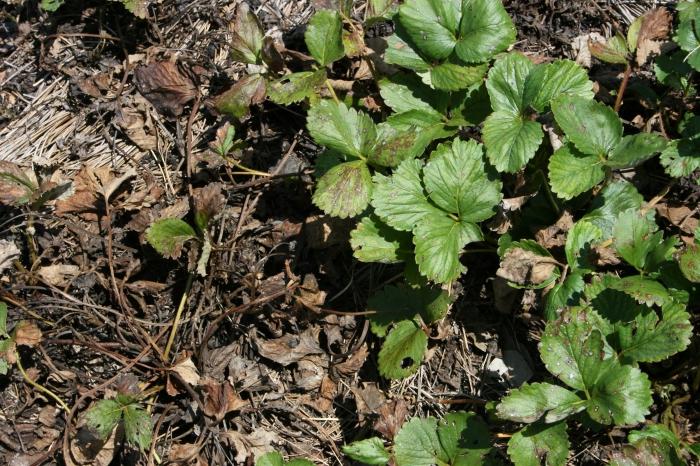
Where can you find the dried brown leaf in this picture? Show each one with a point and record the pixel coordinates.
(525, 267)
(289, 348)
(209, 202)
(391, 417)
(59, 274)
(251, 445)
(354, 363)
(8, 253)
(187, 371)
(165, 86)
(27, 334)
(555, 235)
(656, 25)
(219, 398)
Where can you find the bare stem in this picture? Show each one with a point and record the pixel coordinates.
(623, 87)
(39, 387)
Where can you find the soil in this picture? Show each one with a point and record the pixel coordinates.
(274, 333)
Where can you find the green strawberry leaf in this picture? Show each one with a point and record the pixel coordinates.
(643, 290)
(531, 402)
(168, 236)
(137, 426)
(547, 82)
(572, 172)
(374, 241)
(324, 37)
(612, 200)
(368, 451)
(399, 200)
(464, 439)
(681, 157)
(402, 351)
(456, 180)
(635, 149)
(393, 304)
(540, 444)
(398, 140)
(506, 83)
(688, 36)
(296, 87)
(689, 263)
(579, 246)
(591, 126)
(432, 25)
(454, 77)
(345, 190)
(400, 52)
(439, 239)
(565, 294)
(511, 140)
(647, 451)
(273, 458)
(485, 30)
(417, 443)
(340, 128)
(248, 91)
(103, 417)
(639, 243)
(405, 93)
(656, 431)
(621, 395)
(246, 36)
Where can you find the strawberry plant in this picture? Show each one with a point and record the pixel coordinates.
(275, 459)
(124, 409)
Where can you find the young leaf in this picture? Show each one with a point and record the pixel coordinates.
(591, 126)
(137, 426)
(402, 351)
(612, 200)
(612, 51)
(324, 37)
(432, 25)
(579, 246)
(340, 128)
(104, 417)
(531, 402)
(571, 172)
(485, 30)
(345, 190)
(511, 140)
(689, 263)
(635, 149)
(417, 443)
(399, 199)
(374, 241)
(368, 451)
(247, 36)
(439, 240)
(464, 439)
(393, 304)
(296, 87)
(540, 444)
(168, 235)
(456, 180)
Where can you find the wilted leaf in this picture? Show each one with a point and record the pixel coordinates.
(614, 50)
(165, 86)
(27, 334)
(246, 36)
(528, 264)
(249, 90)
(219, 398)
(655, 25)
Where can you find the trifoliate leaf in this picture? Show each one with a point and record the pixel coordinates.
(511, 140)
(648, 452)
(345, 190)
(296, 87)
(432, 25)
(374, 241)
(547, 82)
(689, 263)
(324, 37)
(531, 402)
(638, 241)
(485, 30)
(464, 439)
(681, 158)
(104, 417)
(273, 458)
(405, 92)
(591, 126)
(454, 77)
(340, 128)
(137, 426)
(168, 236)
(400, 53)
(399, 199)
(579, 246)
(402, 351)
(456, 180)
(246, 36)
(540, 444)
(610, 202)
(635, 149)
(417, 443)
(393, 304)
(439, 239)
(565, 294)
(368, 451)
(572, 172)
(506, 83)
(614, 50)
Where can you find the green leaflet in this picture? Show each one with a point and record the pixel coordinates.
(572, 172)
(402, 350)
(324, 37)
(689, 263)
(610, 202)
(639, 243)
(168, 236)
(340, 128)
(532, 402)
(592, 127)
(485, 30)
(579, 246)
(540, 444)
(296, 87)
(432, 25)
(344, 190)
(374, 241)
(635, 149)
(511, 140)
(368, 451)
(397, 303)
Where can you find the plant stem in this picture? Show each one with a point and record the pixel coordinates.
(549, 194)
(39, 387)
(178, 315)
(333, 94)
(623, 87)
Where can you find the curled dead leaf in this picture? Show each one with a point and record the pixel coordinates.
(27, 334)
(289, 348)
(524, 267)
(59, 274)
(165, 86)
(219, 398)
(656, 25)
